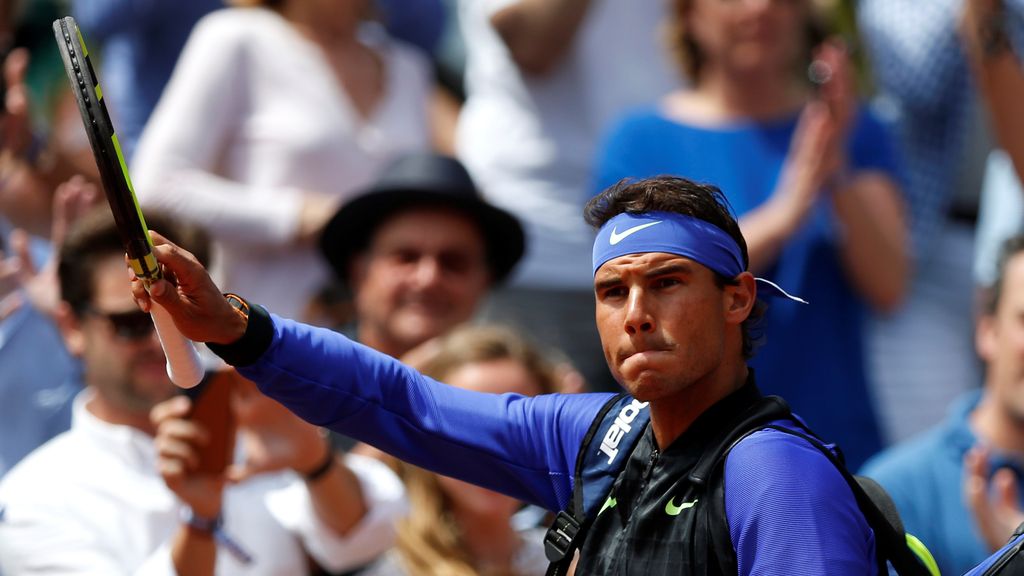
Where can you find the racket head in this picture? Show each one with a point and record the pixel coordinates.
(117, 186)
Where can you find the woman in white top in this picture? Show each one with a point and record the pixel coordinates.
(276, 114)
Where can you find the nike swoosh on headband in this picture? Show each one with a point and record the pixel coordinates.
(617, 237)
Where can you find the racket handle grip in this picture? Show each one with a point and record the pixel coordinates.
(183, 365)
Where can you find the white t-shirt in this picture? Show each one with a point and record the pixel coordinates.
(529, 141)
(90, 501)
(253, 117)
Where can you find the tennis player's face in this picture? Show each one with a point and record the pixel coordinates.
(122, 356)
(662, 322)
(423, 274)
(1001, 342)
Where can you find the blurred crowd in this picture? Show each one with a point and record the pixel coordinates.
(413, 172)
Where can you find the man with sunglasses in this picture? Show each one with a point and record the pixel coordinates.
(121, 492)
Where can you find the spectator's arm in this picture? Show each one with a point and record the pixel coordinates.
(362, 495)
(337, 496)
(868, 204)
(875, 246)
(998, 72)
(193, 553)
(539, 33)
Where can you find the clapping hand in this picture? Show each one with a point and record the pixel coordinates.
(20, 280)
(272, 437)
(816, 160)
(15, 122)
(995, 503)
(177, 445)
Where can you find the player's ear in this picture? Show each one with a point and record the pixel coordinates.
(70, 326)
(739, 298)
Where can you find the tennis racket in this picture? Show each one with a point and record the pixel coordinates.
(183, 364)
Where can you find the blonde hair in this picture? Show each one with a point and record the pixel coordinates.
(429, 538)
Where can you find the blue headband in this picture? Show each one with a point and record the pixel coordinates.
(677, 234)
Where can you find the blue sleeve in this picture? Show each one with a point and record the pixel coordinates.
(623, 152)
(524, 447)
(873, 146)
(791, 512)
(1010, 550)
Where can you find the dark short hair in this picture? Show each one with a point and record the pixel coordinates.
(1010, 248)
(682, 196)
(94, 237)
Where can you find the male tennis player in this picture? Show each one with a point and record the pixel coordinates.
(673, 302)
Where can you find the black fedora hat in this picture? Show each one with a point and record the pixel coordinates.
(416, 180)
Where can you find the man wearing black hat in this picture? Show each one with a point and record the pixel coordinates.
(419, 251)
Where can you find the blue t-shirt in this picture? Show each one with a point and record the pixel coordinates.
(924, 476)
(813, 354)
(526, 447)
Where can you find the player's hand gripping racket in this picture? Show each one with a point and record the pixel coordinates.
(183, 364)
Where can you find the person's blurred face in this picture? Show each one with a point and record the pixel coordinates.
(423, 273)
(493, 377)
(121, 353)
(753, 36)
(662, 321)
(1001, 342)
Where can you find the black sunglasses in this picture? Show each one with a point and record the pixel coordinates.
(134, 325)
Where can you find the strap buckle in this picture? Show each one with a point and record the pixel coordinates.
(560, 539)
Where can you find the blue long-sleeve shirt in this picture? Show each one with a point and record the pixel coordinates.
(788, 508)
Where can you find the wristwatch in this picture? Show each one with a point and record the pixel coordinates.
(240, 305)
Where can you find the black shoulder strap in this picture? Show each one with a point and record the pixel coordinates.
(878, 510)
(603, 454)
(1007, 560)
(717, 542)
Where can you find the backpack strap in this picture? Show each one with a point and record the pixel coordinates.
(1007, 560)
(603, 454)
(879, 511)
(717, 542)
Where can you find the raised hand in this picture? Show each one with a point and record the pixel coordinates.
(189, 295)
(14, 273)
(272, 437)
(838, 89)
(177, 441)
(15, 121)
(20, 280)
(817, 155)
(994, 504)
